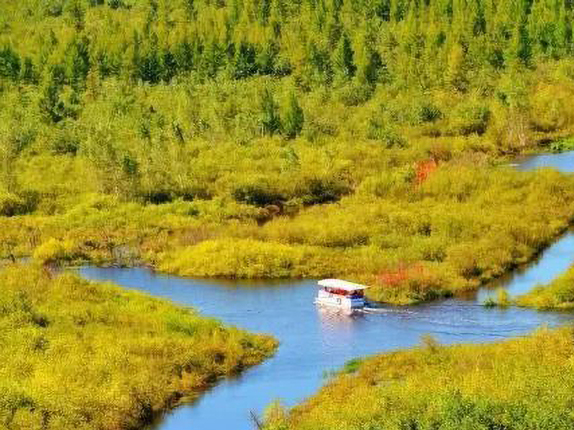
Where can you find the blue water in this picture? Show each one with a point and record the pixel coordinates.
(563, 162)
(315, 341)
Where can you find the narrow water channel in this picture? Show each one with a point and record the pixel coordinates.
(314, 341)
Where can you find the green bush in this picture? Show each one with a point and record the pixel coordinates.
(57, 251)
(11, 204)
(559, 294)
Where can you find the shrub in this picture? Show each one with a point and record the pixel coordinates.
(11, 205)
(559, 294)
(470, 118)
(385, 134)
(57, 251)
(258, 193)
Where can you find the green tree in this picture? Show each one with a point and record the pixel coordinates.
(28, 73)
(270, 121)
(264, 11)
(457, 68)
(244, 61)
(521, 47)
(184, 56)
(51, 105)
(168, 65)
(9, 63)
(77, 13)
(293, 118)
(383, 9)
(78, 61)
(343, 58)
(150, 66)
(211, 59)
(479, 20)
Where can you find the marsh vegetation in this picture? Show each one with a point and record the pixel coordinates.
(271, 139)
(518, 384)
(89, 356)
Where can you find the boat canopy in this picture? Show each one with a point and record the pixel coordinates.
(341, 285)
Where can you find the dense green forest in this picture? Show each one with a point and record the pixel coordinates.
(77, 354)
(521, 384)
(275, 139)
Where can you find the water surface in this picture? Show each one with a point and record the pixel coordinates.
(563, 162)
(314, 341)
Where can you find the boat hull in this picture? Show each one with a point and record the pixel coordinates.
(340, 302)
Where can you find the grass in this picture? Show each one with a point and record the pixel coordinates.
(559, 294)
(520, 384)
(90, 356)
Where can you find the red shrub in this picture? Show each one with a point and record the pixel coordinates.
(424, 169)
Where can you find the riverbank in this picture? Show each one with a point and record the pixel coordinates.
(91, 356)
(520, 384)
(558, 295)
(459, 228)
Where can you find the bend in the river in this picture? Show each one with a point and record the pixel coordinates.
(315, 341)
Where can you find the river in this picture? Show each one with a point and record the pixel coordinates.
(314, 341)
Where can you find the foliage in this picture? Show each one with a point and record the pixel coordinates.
(559, 294)
(493, 386)
(77, 354)
(356, 139)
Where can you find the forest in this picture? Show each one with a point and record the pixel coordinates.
(285, 139)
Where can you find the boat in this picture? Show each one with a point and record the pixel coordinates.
(341, 294)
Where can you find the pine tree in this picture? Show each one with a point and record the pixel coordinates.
(50, 103)
(211, 59)
(9, 63)
(168, 65)
(184, 56)
(264, 11)
(369, 63)
(190, 8)
(343, 59)
(293, 118)
(28, 72)
(78, 62)
(150, 66)
(457, 68)
(77, 13)
(244, 61)
(270, 120)
(383, 9)
(265, 59)
(564, 32)
(479, 21)
(521, 49)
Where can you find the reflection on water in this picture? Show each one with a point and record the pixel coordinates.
(315, 341)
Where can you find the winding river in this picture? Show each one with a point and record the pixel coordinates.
(314, 342)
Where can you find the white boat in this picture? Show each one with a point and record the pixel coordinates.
(341, 294)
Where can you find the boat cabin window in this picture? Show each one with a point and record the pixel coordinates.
(356, 294)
